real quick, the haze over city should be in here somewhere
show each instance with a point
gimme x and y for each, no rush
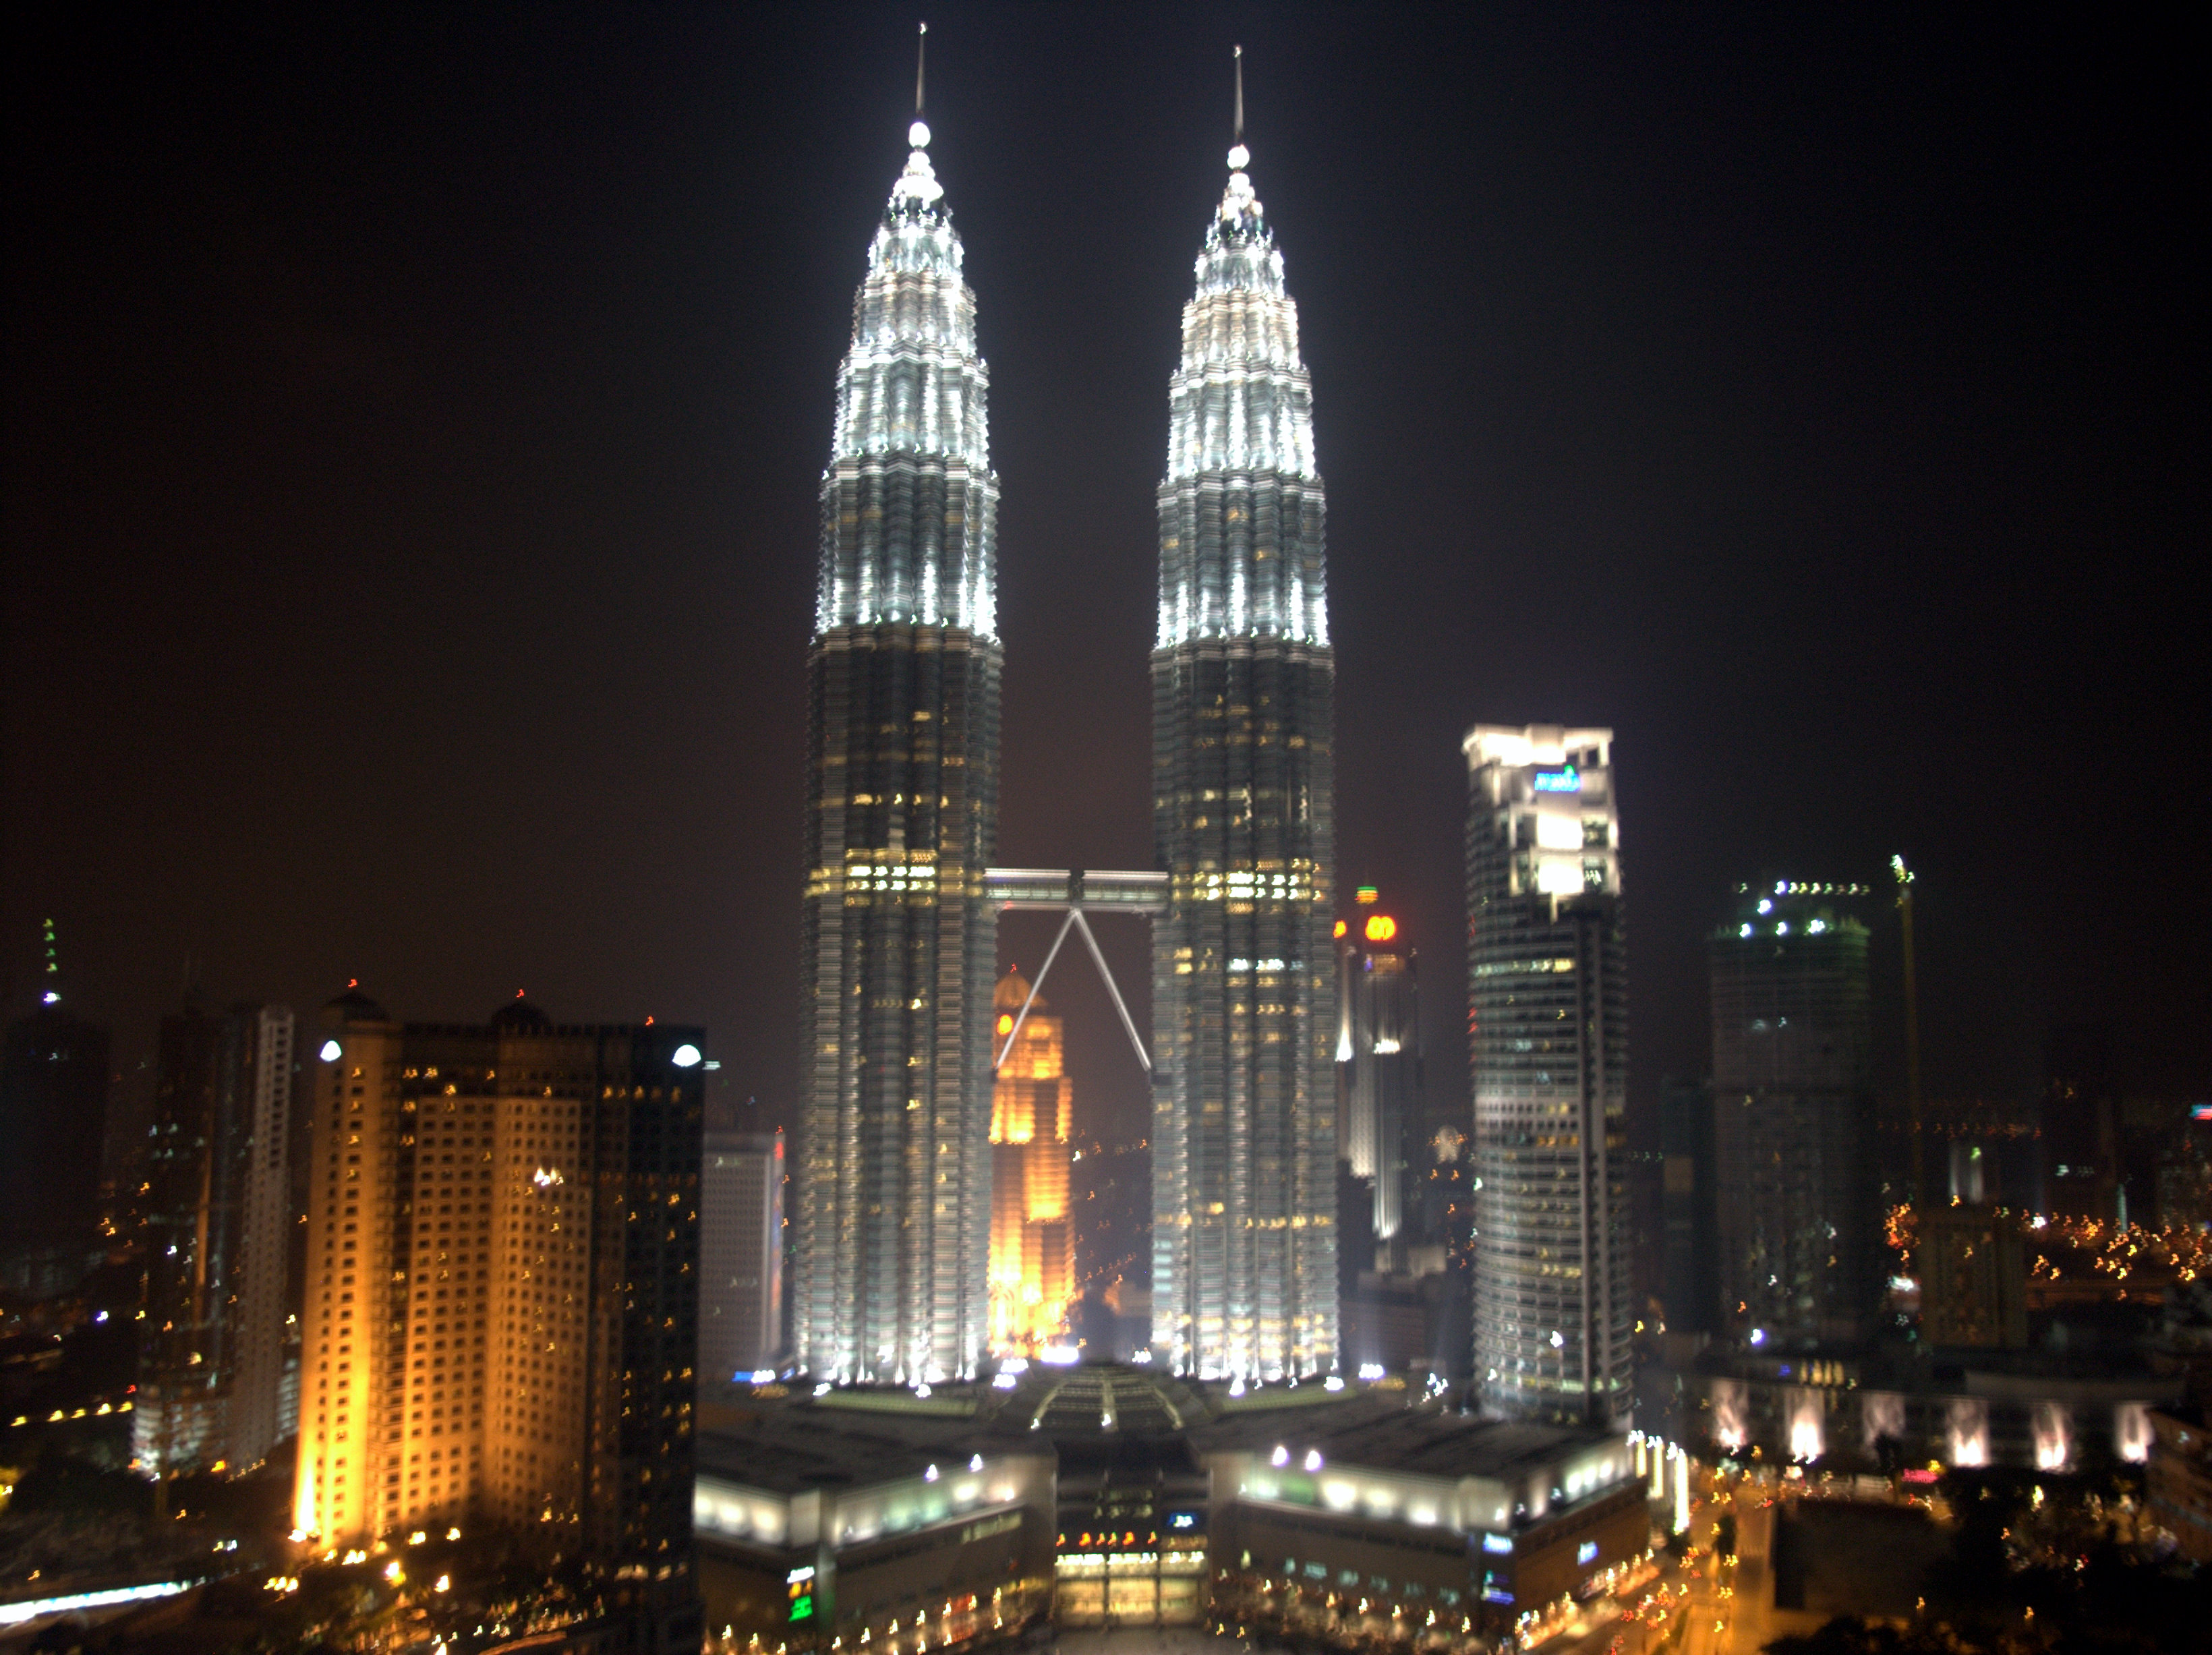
(416, 427)
(1564, 631)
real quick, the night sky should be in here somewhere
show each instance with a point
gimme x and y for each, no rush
(414, 425)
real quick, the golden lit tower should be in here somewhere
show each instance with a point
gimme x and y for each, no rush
(1032, 1246)
(500, 1314)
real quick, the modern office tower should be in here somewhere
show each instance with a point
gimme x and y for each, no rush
(740, 1253)
(502, 1291)
(1799, 1212)
(1690, 1283)
(1032, 1240)
(1548, 1026)
(1244, 1129)
(894, 1187)
(217, 1214)
(1378, 1066)
(53, 1107)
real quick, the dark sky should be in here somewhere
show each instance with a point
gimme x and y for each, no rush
(414, 423)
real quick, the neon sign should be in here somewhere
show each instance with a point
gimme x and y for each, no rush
(1567, 781)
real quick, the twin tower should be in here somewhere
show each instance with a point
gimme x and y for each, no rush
(894, 1196)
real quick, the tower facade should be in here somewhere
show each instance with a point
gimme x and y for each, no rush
(1032, 1240)
(1799, 1205)
(1378, 1066)
(1245, 1129)
(1547, 1037)
(500, 1316)
(890, 1278)
(740, 1252)
(217, 1209)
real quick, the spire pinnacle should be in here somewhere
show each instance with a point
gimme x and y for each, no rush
(921, 54)
(1239, 54)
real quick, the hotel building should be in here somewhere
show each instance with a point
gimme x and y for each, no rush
(502, 1287)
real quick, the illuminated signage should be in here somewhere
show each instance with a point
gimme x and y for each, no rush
(799, 1583)
(1497, 1542)
(1185, 1520)
(1365, 896)
(1381, 927)
(1587, 1552)
(2200, 1111)
(1567, 781)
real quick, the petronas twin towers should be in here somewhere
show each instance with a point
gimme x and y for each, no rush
(894, 1200)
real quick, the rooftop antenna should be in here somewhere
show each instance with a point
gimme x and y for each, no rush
(920, 52)
(1239, 93)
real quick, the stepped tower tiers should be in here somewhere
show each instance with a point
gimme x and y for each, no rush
(1032, 1235)
(1244, 1140)
(891, 1281)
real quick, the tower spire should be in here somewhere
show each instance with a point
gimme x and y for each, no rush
(1239, 54)
(920, 56)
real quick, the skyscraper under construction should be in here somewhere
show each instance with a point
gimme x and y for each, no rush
(890, 1282)
(1244, 1131)
(1799, 1214)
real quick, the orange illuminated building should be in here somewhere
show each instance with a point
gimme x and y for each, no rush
(1032, 1242)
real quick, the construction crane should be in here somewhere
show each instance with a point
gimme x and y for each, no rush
(1904, 877)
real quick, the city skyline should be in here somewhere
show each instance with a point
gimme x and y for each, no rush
(257, 281)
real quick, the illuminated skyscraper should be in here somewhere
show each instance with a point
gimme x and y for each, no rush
(1547, 1024)
(217, 1209)
(1032, 1242)
(1244, 1129)
(500, 1316)
(894, 1208)
(1378, 1064)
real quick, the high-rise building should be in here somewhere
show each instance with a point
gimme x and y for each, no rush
(1798, 1191)
(1245, 1129)
(502, 1291)
(1689, 1275)
(1032, 1241)
(894, 1152)
(1548, 1027)
(740, 1252)
(1378, 1066)
(53, 1110)
(217, 1214)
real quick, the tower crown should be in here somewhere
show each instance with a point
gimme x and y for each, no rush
(912, 389)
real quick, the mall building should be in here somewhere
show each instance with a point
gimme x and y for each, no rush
(1102, 1494)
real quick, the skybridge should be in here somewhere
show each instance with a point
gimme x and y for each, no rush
(1074, 891)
